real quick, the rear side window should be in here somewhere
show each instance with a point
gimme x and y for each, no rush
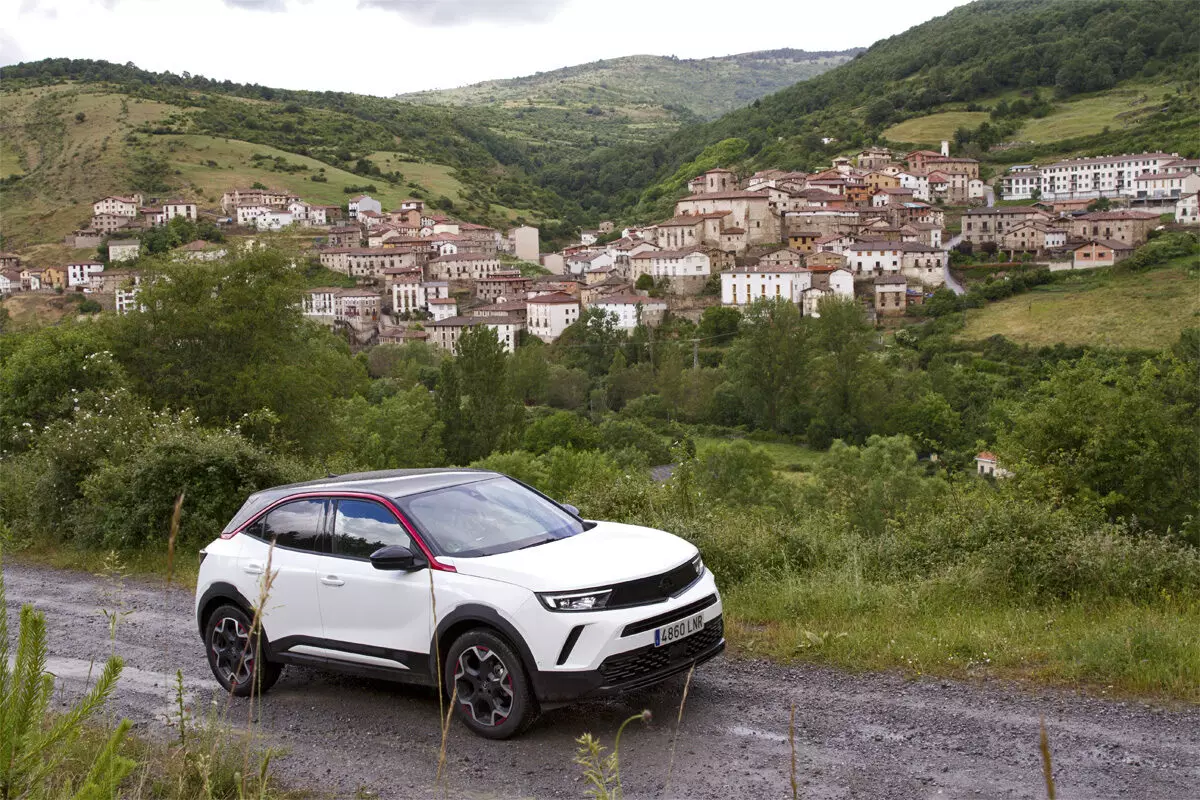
(296, 525)
(360, 527)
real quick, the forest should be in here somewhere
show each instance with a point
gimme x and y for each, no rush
(221, 387)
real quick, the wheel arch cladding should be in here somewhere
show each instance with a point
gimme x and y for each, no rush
(470, 616)
(217, 595)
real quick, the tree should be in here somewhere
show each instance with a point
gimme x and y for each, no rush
(850, 385)
(488, 414)
(227, 338)
(768, 361)
(644, 282)
(562, 428)
(720, 323)
(149, 172)
(401, 431)
(590, 342)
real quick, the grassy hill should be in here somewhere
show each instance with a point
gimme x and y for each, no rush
(1022, 63)
(1107, 308)
(703, 88)
(77, 130)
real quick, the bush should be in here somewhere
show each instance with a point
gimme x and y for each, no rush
(620, 435)
(560, 429)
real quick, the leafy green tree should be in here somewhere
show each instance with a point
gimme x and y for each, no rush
(590, 342)
(488, 414)
(401, 431)
(739, 475)
(850, 387)
(227, 338)
(719, 322)
(768, 363)
(1125, 440)
(644, 282)
(47, 372)
(529, 372)
(560, 429)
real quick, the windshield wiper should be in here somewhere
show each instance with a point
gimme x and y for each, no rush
(538, 542)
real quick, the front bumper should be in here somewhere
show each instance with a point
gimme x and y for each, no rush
(632, 669)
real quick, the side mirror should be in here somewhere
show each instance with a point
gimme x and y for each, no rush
(570, 508)
(397, 557)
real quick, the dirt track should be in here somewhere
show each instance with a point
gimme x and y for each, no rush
(860, 736)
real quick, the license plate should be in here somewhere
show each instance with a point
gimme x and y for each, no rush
(678, 630)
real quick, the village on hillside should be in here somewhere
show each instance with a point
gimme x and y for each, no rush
(872, 227)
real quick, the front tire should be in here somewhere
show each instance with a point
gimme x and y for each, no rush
(235, 656)
(490, 686)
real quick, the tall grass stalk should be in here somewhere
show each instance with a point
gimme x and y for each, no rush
(678, 724)
(446, 734)
(1047, 766)
(792, 743)
(254, 640)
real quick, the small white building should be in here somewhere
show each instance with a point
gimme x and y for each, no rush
(986, 464)
(179, 208)
(274, 220)
(118, 206)
(550, 314)
(123, 250)
(630, 310)
(362, 202)
(125, 293)
(523, 243)
(1187, 210)
(200, 250)
(80, 273)
(442, 307)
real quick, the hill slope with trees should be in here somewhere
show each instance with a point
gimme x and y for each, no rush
(1013, 59)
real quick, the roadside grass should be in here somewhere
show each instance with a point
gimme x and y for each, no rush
(931, 130)
(1117, 647)
(1110, 308)
(145, 563)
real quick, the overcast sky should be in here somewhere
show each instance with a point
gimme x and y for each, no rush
(385, 47)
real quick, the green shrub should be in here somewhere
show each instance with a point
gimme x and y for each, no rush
(619, 435)
(560, 429)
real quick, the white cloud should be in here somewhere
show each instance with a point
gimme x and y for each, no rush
(448, 13)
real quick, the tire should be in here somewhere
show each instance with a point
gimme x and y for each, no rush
(491, 688)
(237, 662)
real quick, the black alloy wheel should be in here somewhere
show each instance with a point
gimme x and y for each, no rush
(234, 654)
(489, 684)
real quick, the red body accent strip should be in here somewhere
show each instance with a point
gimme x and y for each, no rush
(412, 532)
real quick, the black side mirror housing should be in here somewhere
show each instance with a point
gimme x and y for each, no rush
(571, 509)
(399, 558)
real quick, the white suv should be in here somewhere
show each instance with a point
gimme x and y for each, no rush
(534, 605)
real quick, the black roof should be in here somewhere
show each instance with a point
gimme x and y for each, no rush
(393, 483)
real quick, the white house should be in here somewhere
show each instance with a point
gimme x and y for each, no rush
(1084, 178)
(178, 208)
(827, 282)
(119, 206)
(550, 314)
(690, 262)
(200, 250)
(442, 307)
(274, 220)
(10, 280)
(363, 202)
(917, 183)
(742, 286)
(632, 309)
(874, 257)
(584, 261)
(1165, 185)
(125, 294)
(80, 273)
(248, 213)
(410, 293)
(986, 464)
(123, 250)
(1187, 210)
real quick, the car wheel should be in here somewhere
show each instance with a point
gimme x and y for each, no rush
(489, 684)
(235, 656)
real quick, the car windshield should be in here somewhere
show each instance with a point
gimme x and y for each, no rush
(496, 515)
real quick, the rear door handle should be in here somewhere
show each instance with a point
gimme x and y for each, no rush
(253, 569)
(332, 580)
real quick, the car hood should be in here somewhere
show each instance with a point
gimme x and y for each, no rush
(606, 554)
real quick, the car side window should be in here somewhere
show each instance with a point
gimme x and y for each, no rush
(296, 525)
(360, 527)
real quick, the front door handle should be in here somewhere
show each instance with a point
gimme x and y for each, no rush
(332, 580)
(253, 569)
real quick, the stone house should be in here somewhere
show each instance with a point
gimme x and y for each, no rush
(1126, 227)
(463, 266)
(123, 250)
(891, 295)
(750, 211)
(982, 225)
(509, 287)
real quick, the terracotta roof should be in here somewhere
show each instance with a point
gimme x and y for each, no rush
(687, 251)
(628, 299)
(762, 269)
(507, 306)
(461, 257)
(1117, 215)
(554, 298)
(985, 456)
(1104, 243)
(891, 280)
(442, 301)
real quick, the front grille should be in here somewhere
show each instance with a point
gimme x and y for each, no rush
(653, 589)
(671, 616)
(645, 661)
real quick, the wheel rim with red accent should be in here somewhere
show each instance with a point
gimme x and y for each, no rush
(484, 685)
(233, 657)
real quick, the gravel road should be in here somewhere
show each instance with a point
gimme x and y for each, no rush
(857, 736)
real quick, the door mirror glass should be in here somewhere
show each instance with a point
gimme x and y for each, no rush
(570, 508)
(397, 557)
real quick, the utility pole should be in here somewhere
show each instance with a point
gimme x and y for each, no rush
(695, 354)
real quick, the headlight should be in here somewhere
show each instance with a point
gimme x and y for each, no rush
(698, 563)
(575, 601)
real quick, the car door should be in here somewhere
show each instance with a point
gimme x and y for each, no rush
(292, 610)
(374, 617)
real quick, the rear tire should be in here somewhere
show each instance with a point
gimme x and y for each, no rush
(236, 658)
(491, 689)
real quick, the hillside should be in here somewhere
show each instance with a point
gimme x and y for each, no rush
(77, 130)
(704, 88)
(1008, 70)
(1104, 308)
